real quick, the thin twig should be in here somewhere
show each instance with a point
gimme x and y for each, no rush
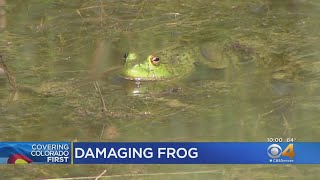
(101, 13)
(80, 9)
(11, 78)
(287, 126)
(102, 131)
(79, 13)
(101, 174)
(177, 111)
(97, 87)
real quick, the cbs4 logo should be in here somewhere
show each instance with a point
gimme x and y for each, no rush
(275, 151)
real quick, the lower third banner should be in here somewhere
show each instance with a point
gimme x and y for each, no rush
(159, 153)
(196, 153)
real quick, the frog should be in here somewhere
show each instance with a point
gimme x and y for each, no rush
(178, 62)
(166, 64)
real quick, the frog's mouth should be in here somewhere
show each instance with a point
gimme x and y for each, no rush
(142, 78)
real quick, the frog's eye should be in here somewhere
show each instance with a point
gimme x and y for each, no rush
(155, 60)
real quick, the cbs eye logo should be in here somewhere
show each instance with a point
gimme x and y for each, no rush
(275, 151)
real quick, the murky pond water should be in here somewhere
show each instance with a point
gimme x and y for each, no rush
(60, 53)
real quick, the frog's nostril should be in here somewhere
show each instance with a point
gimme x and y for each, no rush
(125, 56)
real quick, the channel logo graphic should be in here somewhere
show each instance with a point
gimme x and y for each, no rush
(278, 155)
(35, 153)
(14, 155)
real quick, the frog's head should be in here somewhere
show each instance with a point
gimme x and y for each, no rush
(147, 68)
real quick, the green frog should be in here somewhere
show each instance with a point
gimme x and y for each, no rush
(177, 62)
(167, 64)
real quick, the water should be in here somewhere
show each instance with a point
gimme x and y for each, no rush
(58, 50)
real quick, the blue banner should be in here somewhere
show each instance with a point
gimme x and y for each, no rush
(196, 153)
(35, 153)
(159, 153)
